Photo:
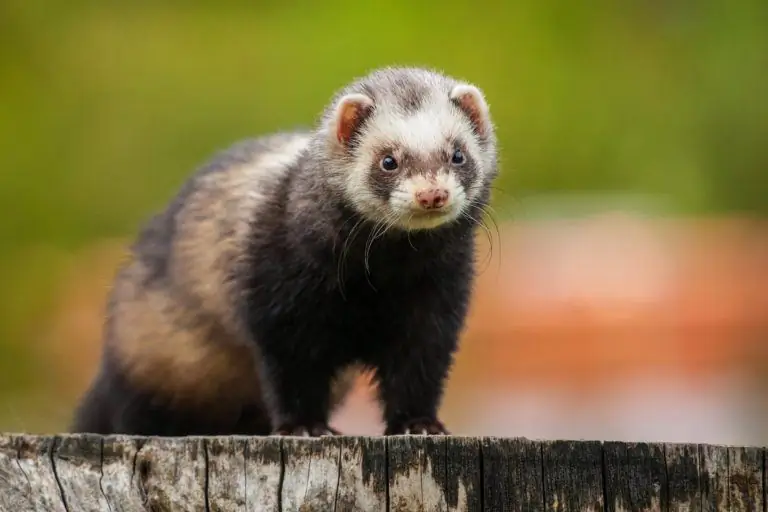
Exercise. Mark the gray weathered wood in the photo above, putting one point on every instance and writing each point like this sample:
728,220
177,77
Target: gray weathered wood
512,475
119,481
713,477
573,476
464,484
15,487
36,463
172,474
417,473
636,477
227,481
311,473
78,467
263,474
72,473
363,475
683,477
745,479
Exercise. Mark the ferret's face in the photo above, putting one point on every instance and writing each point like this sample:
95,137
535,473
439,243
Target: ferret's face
416,168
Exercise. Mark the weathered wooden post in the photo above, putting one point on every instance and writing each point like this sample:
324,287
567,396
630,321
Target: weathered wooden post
73,473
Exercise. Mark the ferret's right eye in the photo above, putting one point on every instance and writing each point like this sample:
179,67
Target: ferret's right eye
388,163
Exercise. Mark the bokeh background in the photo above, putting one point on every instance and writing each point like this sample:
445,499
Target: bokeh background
626,296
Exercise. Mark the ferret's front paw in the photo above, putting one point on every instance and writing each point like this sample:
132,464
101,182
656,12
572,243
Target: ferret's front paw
316,430
417,426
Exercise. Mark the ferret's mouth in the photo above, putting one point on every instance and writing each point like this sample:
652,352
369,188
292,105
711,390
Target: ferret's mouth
446,211
427,219
432,213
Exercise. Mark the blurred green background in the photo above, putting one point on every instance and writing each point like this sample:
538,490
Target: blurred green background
105,107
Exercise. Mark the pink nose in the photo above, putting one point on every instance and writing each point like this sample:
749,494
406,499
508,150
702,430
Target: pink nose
432,198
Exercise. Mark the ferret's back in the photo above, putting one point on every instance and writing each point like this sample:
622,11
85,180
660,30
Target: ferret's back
171,316
199,242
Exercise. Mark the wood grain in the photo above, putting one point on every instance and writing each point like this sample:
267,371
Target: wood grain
573,476
713,478
635,477
683,477
71,473
512,475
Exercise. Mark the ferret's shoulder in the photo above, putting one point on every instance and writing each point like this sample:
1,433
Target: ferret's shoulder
250,162
202,234
235,182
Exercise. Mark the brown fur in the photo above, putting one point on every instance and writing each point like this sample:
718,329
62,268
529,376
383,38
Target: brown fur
188,360
200,358
218,215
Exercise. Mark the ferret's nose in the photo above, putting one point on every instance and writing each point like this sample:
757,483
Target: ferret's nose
432,198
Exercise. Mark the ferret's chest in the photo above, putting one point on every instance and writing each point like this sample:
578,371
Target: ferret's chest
350,323
359,291
353,305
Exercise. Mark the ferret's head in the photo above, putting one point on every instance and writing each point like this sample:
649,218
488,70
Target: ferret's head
410,147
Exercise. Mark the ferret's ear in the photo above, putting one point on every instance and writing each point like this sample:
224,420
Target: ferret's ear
351,110
472,102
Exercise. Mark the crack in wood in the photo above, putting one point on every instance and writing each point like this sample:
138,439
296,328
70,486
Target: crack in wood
541,476
386,473
481,469
101,474
282,476
246,453
338,482
21,469
51,450
207,477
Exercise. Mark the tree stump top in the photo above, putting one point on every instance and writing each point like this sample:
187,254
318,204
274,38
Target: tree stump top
71,473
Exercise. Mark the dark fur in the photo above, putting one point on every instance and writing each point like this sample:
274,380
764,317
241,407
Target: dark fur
402,318
214,332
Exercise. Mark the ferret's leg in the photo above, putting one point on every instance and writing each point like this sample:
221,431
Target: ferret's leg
410,388
297,389
254,421
412,372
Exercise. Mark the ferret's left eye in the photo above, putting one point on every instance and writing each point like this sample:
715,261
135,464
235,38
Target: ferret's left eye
458,157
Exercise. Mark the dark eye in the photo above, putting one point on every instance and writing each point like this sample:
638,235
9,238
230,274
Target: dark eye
458,157
388,163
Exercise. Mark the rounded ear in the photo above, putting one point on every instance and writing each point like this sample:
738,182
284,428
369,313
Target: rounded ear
472,102
350,112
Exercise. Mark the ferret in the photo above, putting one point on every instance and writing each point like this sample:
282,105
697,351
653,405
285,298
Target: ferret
291,262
